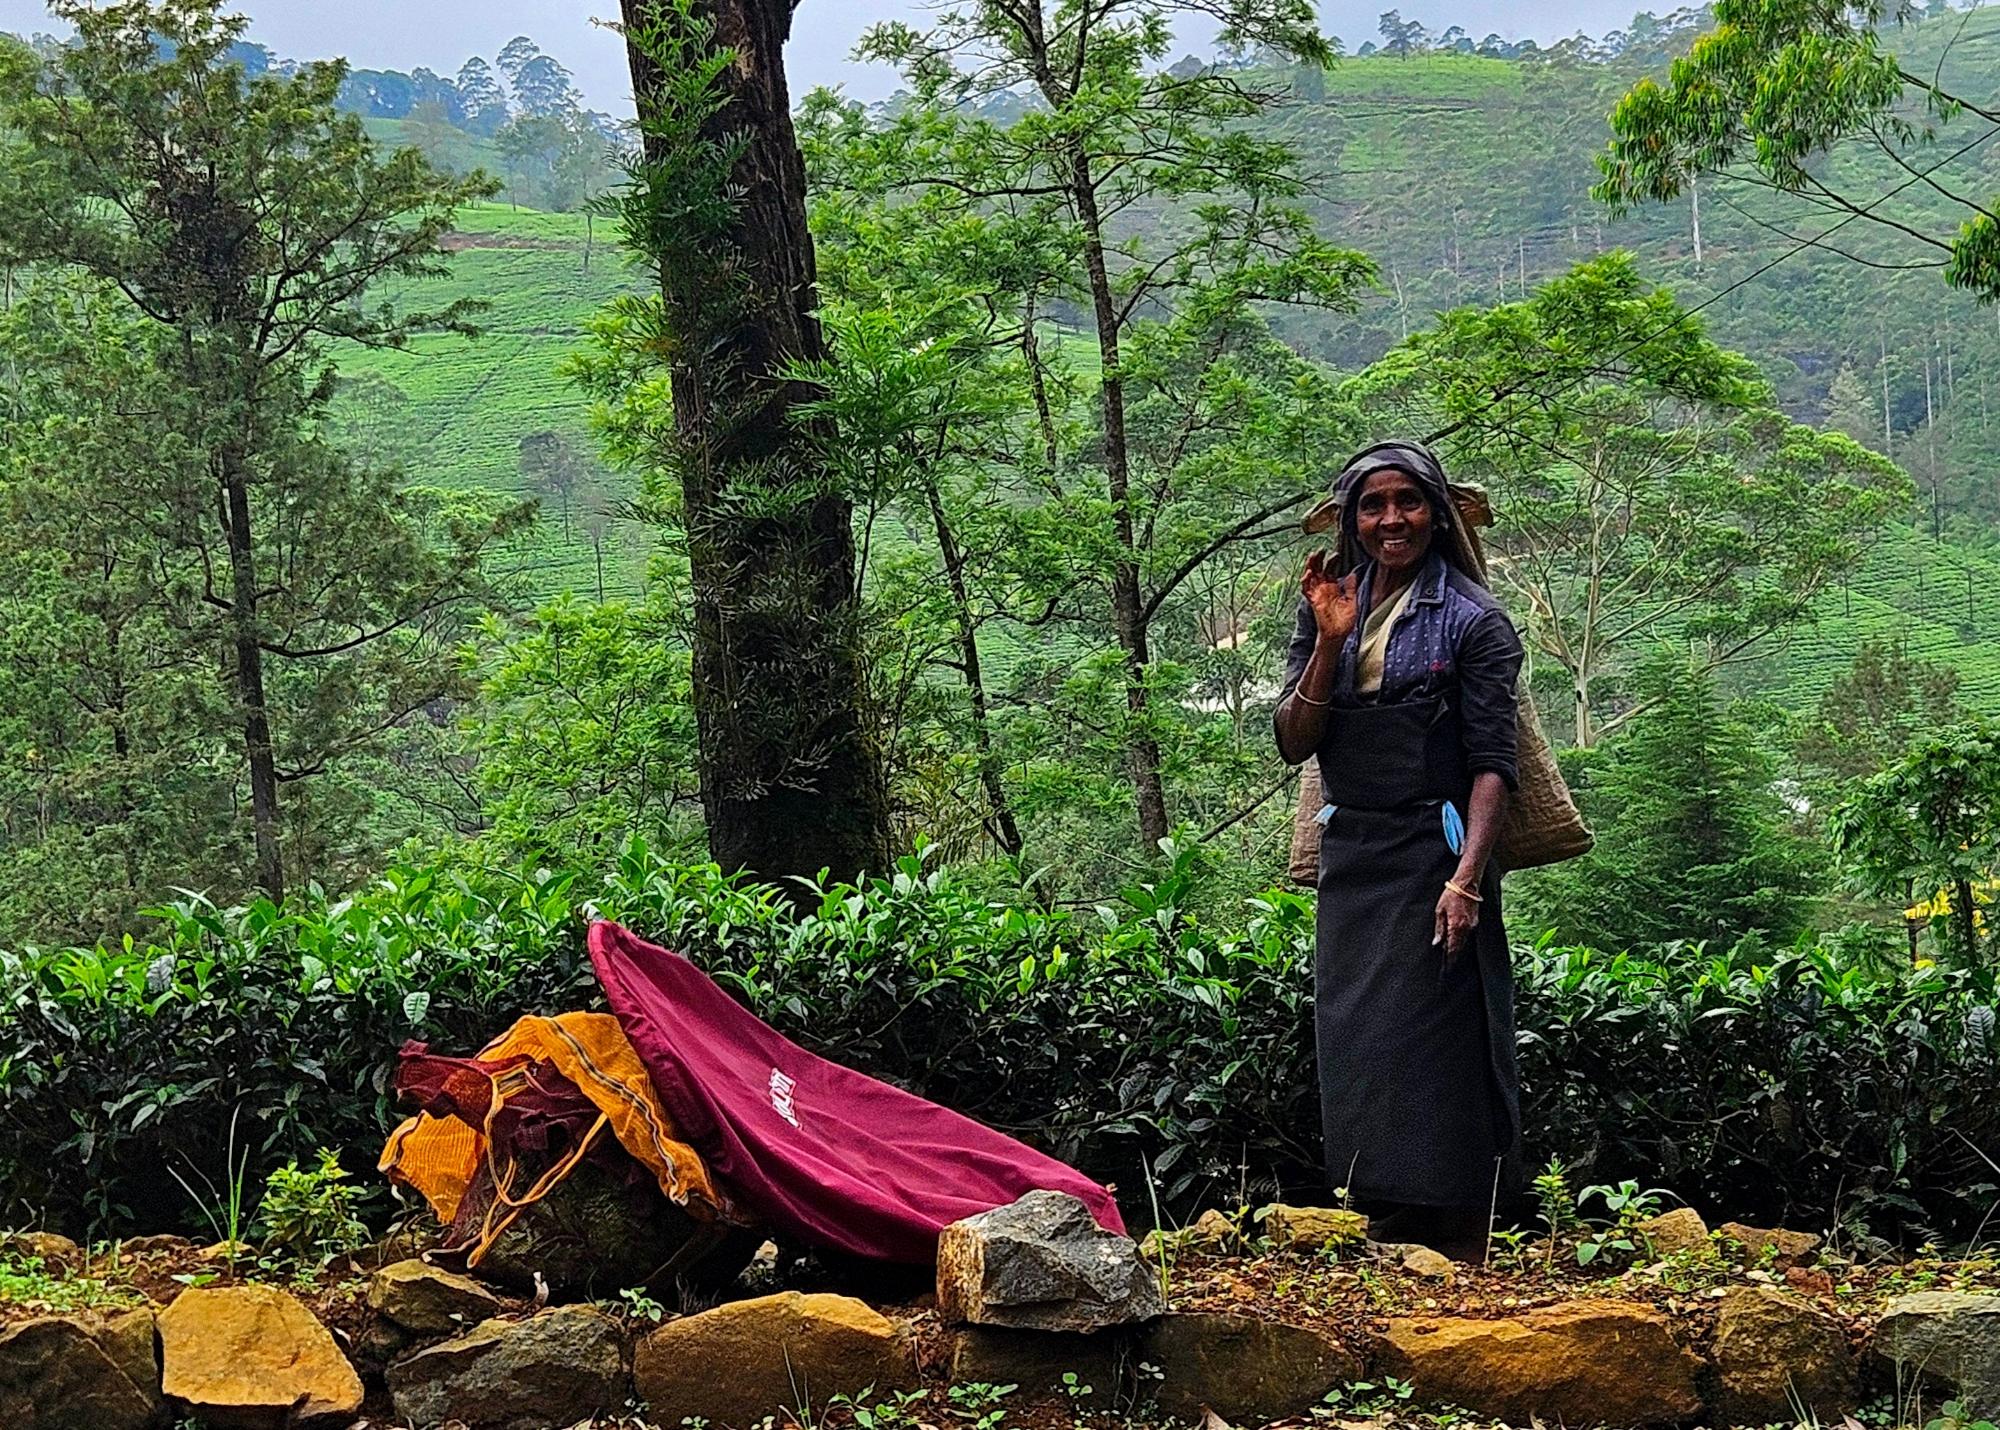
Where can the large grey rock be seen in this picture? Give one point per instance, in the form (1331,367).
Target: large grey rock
(776,1355)
(557,1367)
(1043,1264)
(79,1373)
(1244,1369)
(428,1299)
(1774,1355)
(1950,1336)
(253,1356)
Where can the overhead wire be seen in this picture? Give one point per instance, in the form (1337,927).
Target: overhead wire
(1817,240)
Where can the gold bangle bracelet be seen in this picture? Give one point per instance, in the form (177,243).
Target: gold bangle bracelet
(1298,694)
(1463,892)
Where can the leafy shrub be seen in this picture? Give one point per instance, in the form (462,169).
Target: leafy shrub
(308,1213)
(1123,1036)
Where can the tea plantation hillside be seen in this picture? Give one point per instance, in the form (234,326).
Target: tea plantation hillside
(1468,179)
(455,410)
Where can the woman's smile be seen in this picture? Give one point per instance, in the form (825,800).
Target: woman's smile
(1393,520)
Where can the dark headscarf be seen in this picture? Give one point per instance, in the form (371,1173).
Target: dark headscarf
(1450,534)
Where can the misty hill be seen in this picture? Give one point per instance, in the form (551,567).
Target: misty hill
(1467,177)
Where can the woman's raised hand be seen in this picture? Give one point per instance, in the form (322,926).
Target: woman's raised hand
(1333,599)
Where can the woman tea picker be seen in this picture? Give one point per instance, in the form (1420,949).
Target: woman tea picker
(1400,679)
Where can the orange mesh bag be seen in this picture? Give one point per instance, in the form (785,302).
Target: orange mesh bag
(573,1080)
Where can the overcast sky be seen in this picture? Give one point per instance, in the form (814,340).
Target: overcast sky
(403,34)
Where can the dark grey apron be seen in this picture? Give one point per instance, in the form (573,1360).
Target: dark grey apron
(1418,1090)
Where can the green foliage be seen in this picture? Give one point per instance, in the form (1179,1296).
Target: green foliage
(1772,1083)
(638,1306)
(1367,1397)
(1153,208)
(979,1403)
(1644,491)
(1776,86)
(583,734)
(1957,1416)
(28,1281)
(1869,717)
(1931,822)
(215,236)
(308,1213)
(1629,1208)
(1693,840)
(1552,1193)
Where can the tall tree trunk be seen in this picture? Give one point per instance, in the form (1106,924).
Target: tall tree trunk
(249,673)
(1694,217)
(1128,607)
(1967,918)
(791,774)
(1006,831)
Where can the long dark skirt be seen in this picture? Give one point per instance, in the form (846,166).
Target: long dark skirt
(1418,1089)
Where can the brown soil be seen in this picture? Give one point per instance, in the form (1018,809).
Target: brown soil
(1347,1296)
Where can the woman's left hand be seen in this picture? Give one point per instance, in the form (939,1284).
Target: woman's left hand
(1457,917)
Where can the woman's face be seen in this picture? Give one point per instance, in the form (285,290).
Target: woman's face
(1393,518)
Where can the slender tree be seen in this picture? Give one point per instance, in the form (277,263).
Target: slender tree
(1774,88)
(246,222)
(1114,137)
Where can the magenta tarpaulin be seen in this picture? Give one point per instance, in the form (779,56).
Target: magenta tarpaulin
(819,1151)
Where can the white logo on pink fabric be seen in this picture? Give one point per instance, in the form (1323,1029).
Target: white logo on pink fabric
(781,1096)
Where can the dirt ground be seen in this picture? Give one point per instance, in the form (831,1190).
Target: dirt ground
(1346,1293)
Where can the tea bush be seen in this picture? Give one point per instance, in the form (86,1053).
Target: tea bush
(1131,1038)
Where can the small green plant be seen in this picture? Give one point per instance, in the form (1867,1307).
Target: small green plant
(1955,1416)
(891,1414)
(308,1214)
(28,1281)
(1160,1238)
(1557,1205)
(638,1306)
(979,1403)
(1697,1268)
(1630,1209)
(224,1209)
(1367,1397)
(1508,1249)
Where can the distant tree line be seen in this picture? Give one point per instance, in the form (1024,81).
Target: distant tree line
(519,115)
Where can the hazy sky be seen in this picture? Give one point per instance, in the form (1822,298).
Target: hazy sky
(403,34)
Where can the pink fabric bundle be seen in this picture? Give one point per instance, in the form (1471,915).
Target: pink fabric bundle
(816,1150)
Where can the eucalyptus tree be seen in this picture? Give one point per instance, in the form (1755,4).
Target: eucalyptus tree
(1778,86)
(1646,489)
